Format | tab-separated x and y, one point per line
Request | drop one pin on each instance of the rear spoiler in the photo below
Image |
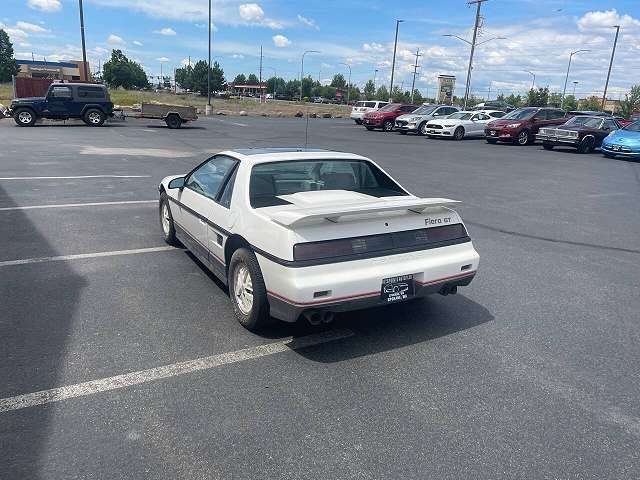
297	215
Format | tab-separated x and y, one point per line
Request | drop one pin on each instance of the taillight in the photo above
407	240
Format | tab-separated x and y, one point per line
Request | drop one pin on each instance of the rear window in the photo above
90	92
270	180
390	107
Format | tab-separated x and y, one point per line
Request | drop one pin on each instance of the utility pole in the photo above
260	81
208	108
415	71
575	82
613	52
478	3
375	73
489	92
393	64
84	48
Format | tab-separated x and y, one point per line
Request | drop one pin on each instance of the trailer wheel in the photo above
173	121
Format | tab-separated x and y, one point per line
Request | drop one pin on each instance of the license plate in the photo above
395	289
493	133
616	148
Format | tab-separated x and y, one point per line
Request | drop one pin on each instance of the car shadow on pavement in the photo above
182	127
37	306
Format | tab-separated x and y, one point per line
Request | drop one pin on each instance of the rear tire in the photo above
166	221
586	145
458	133
247	290
94	117
547	146
24	117
387	126
173	121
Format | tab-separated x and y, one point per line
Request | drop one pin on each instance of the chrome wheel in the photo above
94	117
166	219
523	137
423	129
243	289
25	117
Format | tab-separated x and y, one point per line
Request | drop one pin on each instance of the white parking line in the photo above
79	256
74	177
68	205
167	371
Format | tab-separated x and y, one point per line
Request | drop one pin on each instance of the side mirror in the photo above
177	183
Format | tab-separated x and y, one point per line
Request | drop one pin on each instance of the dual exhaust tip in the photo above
315	317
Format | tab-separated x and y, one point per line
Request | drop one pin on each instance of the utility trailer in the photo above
173	115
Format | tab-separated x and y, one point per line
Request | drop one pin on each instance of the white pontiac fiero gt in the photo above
311	232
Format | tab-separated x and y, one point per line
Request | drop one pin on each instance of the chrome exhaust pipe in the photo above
313	317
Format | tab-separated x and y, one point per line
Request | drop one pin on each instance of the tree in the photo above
555	100
199	77
119	71
631	102
515	100
8	64
276	85
538	98
354	94
307	86
252	79
338	81
590	103
382	93
570	103
417	97
240	79
369	90
184	77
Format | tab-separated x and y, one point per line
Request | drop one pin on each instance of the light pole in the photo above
473	44
302	68
393	63
161	76
348	81
208	108
613	52
375	73
564	90
533	82
575	82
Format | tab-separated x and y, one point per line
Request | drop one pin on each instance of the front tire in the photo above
387	126
422	129
24	118
247	290
524	138
94	117
458	133
166	221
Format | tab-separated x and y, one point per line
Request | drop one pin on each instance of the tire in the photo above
247	290
547	146
368	128
24	117
491	141
387	126
94	117
173	121
358	122
524	138
586	145
458	133
422	129
166	221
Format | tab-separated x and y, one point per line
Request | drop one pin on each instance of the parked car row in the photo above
582	130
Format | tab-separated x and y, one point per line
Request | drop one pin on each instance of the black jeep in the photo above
89	102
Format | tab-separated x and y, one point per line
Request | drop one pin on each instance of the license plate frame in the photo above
398	288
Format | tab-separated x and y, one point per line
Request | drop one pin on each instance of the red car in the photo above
385	118
522	125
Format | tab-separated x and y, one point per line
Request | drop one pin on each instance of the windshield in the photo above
633	127
389	108
592	122
424	110
269	180
460	116
520	114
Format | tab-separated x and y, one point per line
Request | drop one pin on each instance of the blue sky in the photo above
539	34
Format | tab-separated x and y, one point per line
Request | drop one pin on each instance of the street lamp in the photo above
613	52
575	82
473	45
564	90
375	73
533	82
348	81
209	108
302	68
393	64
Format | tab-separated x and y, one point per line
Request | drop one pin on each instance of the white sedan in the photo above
312	232
462	124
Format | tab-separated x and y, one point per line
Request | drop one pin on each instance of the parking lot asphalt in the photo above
530	372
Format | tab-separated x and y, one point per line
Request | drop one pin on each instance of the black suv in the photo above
89	102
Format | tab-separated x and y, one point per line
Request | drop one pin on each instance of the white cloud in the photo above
281	41
16	35
307	22
45	5
600	21
184	62
251	12
138	43
239	56
166	31
373	47
115	40
30	27
163	59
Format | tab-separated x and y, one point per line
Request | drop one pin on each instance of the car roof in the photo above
263	155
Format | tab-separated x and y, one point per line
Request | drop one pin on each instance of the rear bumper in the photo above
353	285
356	115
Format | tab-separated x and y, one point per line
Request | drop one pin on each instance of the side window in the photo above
60	92
407	108
225	197
610	124
497	114
208	178
90	92
542	114
370	104
555	114
451	110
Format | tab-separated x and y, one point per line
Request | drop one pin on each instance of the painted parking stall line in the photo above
75	177
75	205
81	256
94	387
